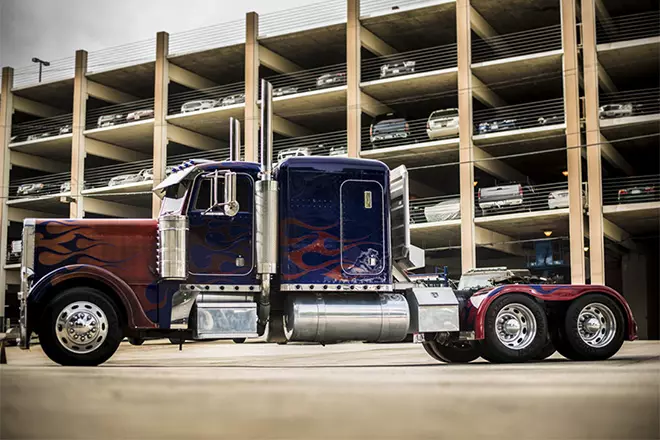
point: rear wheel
(593, 328)
(452, 353)
(80, 328)
(515, 329)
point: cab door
(221, 247)
(362, 228)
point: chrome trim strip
(225, 288)
(336, 287)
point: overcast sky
(54, 29)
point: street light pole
(42, 63)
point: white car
(131, 178)
(446, 210)
(287, 90)
(66, 186)
(615, 111)
(442, 124)
(34, 137)
(140, 114)
(293, 152)
(29, 188)
(198, 105)
(15, 250)
(501, 196)
(337, 151)
(110, 120)
(559, 199)
(398, 68)
(239, 98)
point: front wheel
(80, 328)
(453, 352)
(593, 328)
(516, 329)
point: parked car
(16, 138)
(34, 137)
(331, 80)
(238, 98)
(287, 90)
(445, 210)
(28, 189)
(387, 127)
(293, 152)
(65, 129)
(66, 186)
(148, 174)
(110, 120)
(398, 68)
(550, 120)
(131, 178)
(559, 199)
(638, 194)
(477, 279)
(15, 251)
(609, 111)
(197, 105)
(338, 151)
(497, 125)
(140, 114)
(501, 196)
(442, 123)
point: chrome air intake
(234, 140)
(172, 247)
(360, 317)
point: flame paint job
(474, 314)
(122, 252)
(328, 236)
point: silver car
(442, 124)
(501, 196)
(140, 114)
(610, 111)
(338, 151)
(288, 90)
(110, 120)
(293, 152)
(395, 69)
(66, 186)
(198, 105)
(238, 98)
(331, 80)
(30, 188)
(446, 210)
(34, 137)
(127, 178)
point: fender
(136, 316)
(545, 292)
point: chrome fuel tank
(362, 317)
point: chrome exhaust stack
(266, 210)
(234, 140)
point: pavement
(381, 391)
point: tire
(578, 335)
(547, 350)
(521, 333)
(454, 353)
(135, 341)
(239, 340)
(80, 328)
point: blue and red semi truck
(316, 249)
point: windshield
(476, 281)
(174, 199)
(445, 113)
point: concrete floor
(222, 390)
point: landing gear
(592, 329)
(135, 341)
(458, 352)
(80, 328)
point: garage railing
(635, 189)
(408, 63)
(324, 144)
(34, 187)
(435, 209)
(635, 103)
(204, 99)
(41, 129)
(116, 57)
(517, 44)
(115, 115)
(519, 116)
(302, 17)
(60, 69)
(628, 27)
(208, 37)
(370, 7)
(524, 198)
(320, 78)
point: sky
(55, 29)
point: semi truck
(316, 249)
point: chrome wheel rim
(516, 326)
(81, 327)
(596, 325)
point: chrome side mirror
(231, 206)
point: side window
(205, 194)
(204, 197)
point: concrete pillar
(78, 150)
(251, 86)
(594, 164)
(6, 113)
(160, 112)
(466, 152)
(635, 289)
(353, 58)
(573, 139)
